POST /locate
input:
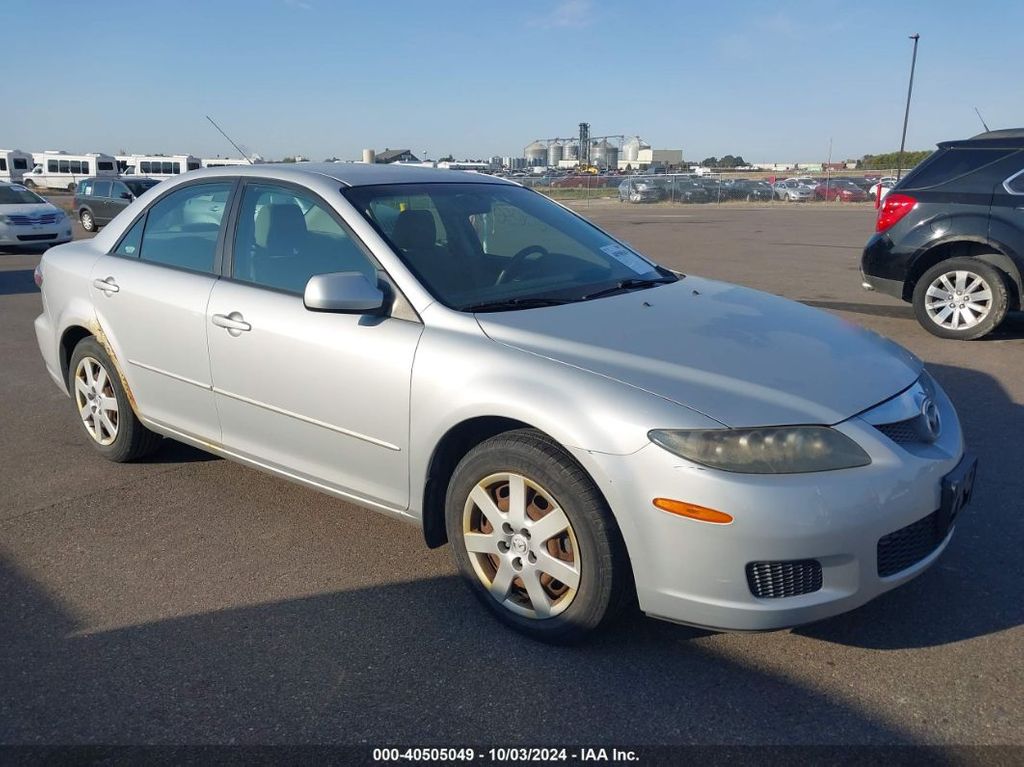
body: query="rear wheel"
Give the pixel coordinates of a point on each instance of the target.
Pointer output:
(961, 298)
(534, 539)
(103, 406)
(88, 222)
(71, 187)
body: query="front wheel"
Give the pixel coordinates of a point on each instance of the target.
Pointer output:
(103, 406)
(534, 539)
(961, 298)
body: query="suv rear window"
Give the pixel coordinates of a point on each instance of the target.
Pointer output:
(949, 164)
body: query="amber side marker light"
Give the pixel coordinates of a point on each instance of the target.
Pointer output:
(693, 511)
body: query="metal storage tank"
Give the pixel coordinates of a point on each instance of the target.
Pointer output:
(570, 152)
(369, 156)
(631, 149)
(536, 153)
(554, 153)
(604, 154)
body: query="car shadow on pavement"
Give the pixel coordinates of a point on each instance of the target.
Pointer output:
(17, 281)
(974, 589)
(172, 451)
(416, 662)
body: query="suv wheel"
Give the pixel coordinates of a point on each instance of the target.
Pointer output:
(962, 298)
(534, 539)
(88, 222)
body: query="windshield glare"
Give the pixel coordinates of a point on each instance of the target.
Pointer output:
(18, 195)
(472, 244)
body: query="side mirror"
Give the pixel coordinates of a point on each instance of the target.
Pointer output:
(127, 196)
(343, 292)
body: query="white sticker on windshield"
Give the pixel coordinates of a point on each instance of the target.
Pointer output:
(628, 258)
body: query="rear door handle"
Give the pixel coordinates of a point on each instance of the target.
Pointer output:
(234, 323)
(108, 285)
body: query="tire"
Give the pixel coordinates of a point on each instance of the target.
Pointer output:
(28, 183)
(88, 222)
(71, 187)
(984, 289)
(587, 550)
(129, 440)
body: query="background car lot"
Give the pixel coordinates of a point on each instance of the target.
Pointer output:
(190, 599)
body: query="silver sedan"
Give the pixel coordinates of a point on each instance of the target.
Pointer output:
(586, 428)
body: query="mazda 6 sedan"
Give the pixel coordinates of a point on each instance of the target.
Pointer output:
(585, 427)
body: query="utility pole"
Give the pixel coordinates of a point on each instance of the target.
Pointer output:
(906, 115)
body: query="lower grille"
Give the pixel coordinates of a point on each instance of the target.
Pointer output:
(36, 237)
(907, 546)
(774, 580)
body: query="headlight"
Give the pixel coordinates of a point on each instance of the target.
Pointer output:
(61, 215)
(4, 220)
(768, 450)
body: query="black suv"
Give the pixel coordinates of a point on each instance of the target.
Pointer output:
(98, 200)
(950, 236)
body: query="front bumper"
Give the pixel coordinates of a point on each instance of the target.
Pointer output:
(27, 236)
(695, 573)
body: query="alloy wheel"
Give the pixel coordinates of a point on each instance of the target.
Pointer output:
(958, 300)
(521, 545)
(96, 401)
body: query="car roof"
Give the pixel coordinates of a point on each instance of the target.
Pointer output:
(1009, 138)
(364, 174)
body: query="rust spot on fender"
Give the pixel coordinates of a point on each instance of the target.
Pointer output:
(97, 332)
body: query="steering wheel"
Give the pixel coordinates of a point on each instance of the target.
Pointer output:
(517, 261)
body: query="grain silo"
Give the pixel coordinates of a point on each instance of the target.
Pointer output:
(536, 153)
(554, 153)
(604, 154)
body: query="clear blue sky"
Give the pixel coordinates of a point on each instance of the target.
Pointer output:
(768, 80)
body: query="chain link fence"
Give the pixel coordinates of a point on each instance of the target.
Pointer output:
(713, 188)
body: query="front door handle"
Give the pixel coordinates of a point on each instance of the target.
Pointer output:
(234, 323)
(108, 286)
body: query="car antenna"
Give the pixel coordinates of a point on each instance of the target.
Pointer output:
(225, 135)
(981, 118)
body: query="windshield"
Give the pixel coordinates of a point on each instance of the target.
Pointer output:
(138, 187)
(474, 244)
(18, 195)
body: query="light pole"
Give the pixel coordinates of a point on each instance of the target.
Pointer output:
(906, 115)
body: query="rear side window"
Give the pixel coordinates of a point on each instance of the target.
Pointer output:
(85, 189)
(1015, 184)
(104, 165)
(20, 164)
(183, 227)
(946, 165)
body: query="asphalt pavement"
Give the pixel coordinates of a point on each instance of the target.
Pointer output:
(186, 599)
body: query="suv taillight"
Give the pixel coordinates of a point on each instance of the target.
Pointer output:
(892, 209)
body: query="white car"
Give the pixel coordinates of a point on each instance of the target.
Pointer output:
(27, 220)
(885, 185)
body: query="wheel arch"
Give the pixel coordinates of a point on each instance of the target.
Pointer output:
(980, 248)
(69, 339)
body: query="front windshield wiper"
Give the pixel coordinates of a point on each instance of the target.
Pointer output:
(506, 304)
(630, 284)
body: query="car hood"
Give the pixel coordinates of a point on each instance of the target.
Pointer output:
(739, 356)
(28, 209)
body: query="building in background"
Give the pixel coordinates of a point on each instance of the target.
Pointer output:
(395, 155)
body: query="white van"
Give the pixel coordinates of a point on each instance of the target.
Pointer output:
(60, 170)
(159, 166)
(14, 164)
